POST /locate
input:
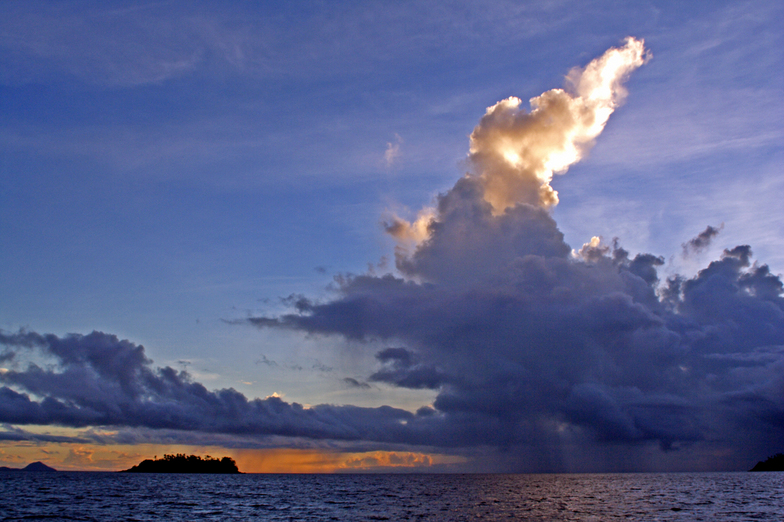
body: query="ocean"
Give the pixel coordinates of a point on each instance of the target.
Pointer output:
(601, 497)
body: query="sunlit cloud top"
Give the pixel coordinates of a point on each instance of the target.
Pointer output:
(516, 153)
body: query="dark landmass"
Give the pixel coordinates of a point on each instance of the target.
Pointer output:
(181, 463)
(35, 466)
(774, 463)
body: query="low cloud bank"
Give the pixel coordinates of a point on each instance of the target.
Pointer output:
(100, 380)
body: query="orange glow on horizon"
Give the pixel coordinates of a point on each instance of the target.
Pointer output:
(116, 457)
(282, 460)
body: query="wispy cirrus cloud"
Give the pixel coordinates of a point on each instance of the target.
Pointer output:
(114, 44)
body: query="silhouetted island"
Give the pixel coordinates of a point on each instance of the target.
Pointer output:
(181, 463)
(35, 466)
(774, 463)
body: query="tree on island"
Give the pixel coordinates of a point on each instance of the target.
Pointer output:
(181, 463)
(774, 463)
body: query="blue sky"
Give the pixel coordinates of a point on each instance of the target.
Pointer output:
(170, 169)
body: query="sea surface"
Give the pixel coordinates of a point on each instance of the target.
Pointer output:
(601, 497)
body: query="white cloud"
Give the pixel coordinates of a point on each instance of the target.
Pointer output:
(393, 151)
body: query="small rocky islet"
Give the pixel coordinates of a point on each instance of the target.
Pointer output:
(181, 463)
(35, 466)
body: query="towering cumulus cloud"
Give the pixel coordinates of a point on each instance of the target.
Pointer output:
(561, 360)
(516, 153)
(541, 358)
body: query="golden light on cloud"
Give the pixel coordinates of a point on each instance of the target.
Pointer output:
(511, 156)
(411, 233)
(391, 459)
(319, 461)
(516, 153)
(281, 460)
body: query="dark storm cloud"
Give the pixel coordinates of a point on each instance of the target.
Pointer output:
(99, 380)
(401, 368)
(355, 383)
(266, 361)
(14, 434)
(531, 349)
(529, 344)
(702, 240)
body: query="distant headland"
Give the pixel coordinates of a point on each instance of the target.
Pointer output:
(182, 463)
(774, 463)
(35, 466)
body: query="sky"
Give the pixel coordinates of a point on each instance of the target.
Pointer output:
(392, 236)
